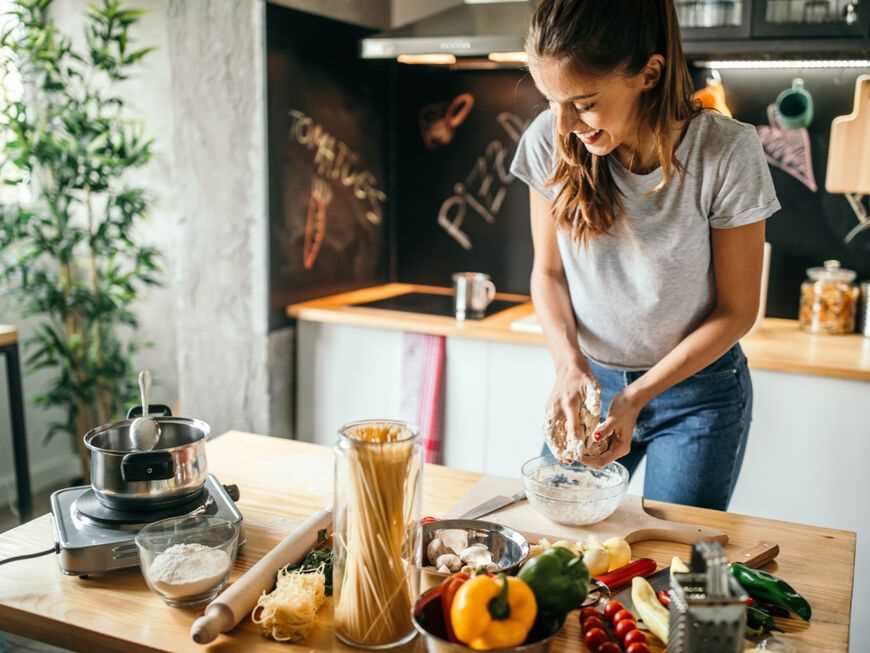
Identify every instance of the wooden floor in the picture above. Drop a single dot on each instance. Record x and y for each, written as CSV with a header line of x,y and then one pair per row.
x,y
8,519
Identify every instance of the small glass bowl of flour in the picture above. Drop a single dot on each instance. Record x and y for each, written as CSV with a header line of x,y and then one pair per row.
x,y
575,494
187,560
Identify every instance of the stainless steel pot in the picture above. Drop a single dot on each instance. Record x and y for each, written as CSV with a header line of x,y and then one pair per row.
x,y
170,474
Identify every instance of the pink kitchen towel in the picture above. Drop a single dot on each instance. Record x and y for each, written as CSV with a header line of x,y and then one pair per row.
x,y
422,400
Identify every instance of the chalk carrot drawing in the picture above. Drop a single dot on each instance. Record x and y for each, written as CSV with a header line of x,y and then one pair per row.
x,y
336,162
315,221
788,149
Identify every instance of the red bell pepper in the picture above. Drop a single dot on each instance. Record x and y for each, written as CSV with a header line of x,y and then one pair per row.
x,y
619,578
450,586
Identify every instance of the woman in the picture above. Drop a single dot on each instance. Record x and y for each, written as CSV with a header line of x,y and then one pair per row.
x,y
647,219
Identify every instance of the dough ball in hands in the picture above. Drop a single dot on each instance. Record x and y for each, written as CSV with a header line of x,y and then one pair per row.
x,y
568,447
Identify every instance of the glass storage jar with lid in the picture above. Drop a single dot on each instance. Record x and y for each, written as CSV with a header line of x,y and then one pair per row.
x,y
376,534
828,299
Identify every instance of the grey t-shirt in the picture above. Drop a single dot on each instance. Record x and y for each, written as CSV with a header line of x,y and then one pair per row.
x,y
639,290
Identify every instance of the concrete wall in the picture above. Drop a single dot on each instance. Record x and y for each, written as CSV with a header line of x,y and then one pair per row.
x,y
201,95
217,95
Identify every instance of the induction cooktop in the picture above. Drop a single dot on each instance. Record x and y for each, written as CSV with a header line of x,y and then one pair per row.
x,y
431,304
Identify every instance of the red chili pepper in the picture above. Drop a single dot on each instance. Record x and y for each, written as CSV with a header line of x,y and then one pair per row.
x,y
619,578
664,598
450,586
749,601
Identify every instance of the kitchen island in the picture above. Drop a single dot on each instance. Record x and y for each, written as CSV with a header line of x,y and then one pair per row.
x,y
810,436
282,482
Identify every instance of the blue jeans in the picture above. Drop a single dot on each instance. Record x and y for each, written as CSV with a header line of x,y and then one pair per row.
x,y
693,435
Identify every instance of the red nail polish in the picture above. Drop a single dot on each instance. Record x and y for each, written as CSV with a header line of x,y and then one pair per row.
x,y
597,436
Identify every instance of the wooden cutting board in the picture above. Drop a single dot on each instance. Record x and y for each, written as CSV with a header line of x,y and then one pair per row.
x,y
849,151
630,521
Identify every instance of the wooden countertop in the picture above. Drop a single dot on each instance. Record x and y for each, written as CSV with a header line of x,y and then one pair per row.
x,y
8,335
282,482
779,345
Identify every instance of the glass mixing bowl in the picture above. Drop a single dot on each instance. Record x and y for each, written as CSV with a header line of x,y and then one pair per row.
x,y
575,495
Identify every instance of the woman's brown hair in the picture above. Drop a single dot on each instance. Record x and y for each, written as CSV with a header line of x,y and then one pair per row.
x,y
599,37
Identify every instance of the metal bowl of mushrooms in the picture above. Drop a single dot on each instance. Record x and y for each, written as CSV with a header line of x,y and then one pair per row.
x,y
452,545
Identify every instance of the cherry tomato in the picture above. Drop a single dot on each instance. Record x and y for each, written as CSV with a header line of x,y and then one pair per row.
x,y
624,627
594,638
621,616
609,647
613,606
585,613
592,622
633,637
637,648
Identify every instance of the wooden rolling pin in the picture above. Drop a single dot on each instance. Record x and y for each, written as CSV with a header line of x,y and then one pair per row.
x,y
236,602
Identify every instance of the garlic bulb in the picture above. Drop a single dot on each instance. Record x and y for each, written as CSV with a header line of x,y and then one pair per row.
x,y
449,560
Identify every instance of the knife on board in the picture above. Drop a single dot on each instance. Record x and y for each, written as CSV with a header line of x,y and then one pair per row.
x,y
493,505
755,556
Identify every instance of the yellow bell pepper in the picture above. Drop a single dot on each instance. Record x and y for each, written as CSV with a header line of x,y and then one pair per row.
x,y
490,612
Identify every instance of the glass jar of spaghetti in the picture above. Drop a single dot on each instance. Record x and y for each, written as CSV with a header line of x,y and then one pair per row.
x,y
828,300
376,572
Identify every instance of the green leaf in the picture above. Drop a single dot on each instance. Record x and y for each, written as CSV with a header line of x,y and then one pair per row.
x,y
138,55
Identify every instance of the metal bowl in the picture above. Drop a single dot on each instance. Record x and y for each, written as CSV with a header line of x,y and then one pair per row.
x,y
429,621
509,549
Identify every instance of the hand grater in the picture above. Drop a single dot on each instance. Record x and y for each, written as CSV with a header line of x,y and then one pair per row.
x,y
707,613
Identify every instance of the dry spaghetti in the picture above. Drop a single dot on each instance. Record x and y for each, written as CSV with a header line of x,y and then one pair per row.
x,y
376,572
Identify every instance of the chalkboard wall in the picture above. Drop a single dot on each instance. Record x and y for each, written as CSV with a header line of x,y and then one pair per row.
x,y
328,144
812,224
457,207
809,229
385,171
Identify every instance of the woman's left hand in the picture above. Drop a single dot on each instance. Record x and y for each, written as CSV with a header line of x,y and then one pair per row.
x,y
621,419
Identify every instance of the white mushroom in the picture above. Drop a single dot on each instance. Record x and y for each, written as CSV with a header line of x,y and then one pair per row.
x,y
455,539
436,548
477,555
443,570
450,561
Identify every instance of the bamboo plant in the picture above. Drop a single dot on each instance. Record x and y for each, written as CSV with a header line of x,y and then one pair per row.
x,y
68,247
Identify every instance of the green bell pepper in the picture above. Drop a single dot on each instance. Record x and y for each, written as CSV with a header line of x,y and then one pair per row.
x,y
770,589
559,580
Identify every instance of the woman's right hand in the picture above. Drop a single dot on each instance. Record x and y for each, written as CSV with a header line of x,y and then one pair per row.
x,y
573,382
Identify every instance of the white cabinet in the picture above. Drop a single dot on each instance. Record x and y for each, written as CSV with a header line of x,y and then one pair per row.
x,y
343,374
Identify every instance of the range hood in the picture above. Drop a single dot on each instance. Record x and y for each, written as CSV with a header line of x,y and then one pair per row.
x,y
473,29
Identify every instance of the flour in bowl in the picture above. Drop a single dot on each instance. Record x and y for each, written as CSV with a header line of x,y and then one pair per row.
x,y
185,570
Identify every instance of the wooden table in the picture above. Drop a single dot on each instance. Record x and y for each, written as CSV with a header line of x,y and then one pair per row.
x,y
283,481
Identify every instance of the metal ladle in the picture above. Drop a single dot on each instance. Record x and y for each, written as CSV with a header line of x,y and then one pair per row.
x,y
145,430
